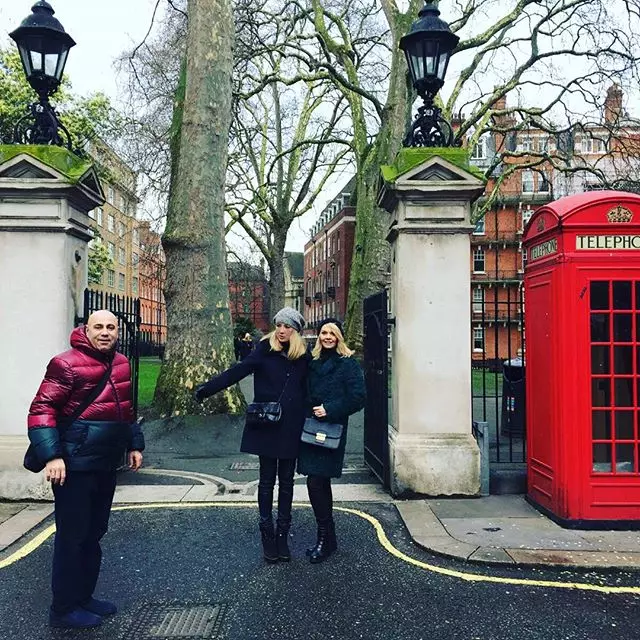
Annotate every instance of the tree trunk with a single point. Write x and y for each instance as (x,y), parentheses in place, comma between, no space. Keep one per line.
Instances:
(370,266)
(199,333)
(276,273)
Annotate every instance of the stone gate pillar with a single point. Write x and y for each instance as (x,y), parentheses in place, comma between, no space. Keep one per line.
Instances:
(431,448)
(45,195)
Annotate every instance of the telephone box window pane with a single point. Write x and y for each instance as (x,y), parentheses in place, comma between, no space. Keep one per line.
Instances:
(624,425)
(622,327)
(601,425)
(624,458)
(600,327)
(602,458)
(600,359)
(623,392)
(601,392)
(622,295)
(599,295)
(622,359)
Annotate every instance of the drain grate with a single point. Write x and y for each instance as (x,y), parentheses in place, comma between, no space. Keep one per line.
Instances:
(196,621)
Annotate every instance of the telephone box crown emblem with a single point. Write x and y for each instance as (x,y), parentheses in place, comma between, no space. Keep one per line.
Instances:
(619,214)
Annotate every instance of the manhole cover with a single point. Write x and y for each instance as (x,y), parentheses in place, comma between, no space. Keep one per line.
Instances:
(169,621)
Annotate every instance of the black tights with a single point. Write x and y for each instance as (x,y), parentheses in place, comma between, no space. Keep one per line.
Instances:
(284,469)
(321,497)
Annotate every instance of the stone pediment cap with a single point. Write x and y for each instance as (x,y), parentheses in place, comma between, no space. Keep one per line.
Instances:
(438,172)
(50,163)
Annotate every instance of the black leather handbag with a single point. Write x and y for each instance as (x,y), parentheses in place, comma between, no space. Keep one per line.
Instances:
(321,434)
(266,413)
(32,461)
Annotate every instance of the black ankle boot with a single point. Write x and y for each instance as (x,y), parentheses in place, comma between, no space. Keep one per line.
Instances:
(310,549)
(282,544)
(323,548)
(269,547)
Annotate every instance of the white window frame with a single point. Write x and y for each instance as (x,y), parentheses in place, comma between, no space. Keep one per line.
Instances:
(478,299)
(111,278)
(99,213)
(479,229)
(528,181)
(480,149)
(122,255)
(477,339)
(111,223)
(121,281)
(479,253)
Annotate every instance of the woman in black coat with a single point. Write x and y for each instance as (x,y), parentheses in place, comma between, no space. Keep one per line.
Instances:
(336,390)
(279,364)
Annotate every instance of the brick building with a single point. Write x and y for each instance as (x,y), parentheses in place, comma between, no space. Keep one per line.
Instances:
(249,294)
(115,222)
(497,267)
(327,261)
(151,271)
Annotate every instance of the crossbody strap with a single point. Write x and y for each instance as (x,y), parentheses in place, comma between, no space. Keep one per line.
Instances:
(286,382)
(90,397)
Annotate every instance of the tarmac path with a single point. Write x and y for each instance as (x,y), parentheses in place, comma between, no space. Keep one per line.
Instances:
(175,558)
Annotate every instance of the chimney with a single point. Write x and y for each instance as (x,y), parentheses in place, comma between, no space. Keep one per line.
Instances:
(613,105)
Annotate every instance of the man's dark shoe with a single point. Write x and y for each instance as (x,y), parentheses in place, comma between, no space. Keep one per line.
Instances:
(76,619)
(99,607)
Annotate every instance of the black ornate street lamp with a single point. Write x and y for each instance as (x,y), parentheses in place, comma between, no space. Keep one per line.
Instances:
(428,46)
(44,46)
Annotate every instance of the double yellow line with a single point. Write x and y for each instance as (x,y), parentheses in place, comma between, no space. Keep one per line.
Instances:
(34,543)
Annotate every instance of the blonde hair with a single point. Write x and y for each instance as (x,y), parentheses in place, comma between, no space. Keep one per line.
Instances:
(341,347)
(297,346)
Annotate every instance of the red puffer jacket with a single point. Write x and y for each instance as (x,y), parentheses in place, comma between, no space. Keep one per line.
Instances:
(69,379)
(96,440)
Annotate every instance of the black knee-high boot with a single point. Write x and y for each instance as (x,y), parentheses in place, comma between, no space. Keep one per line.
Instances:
(286,470)
(322,503)
(265,506)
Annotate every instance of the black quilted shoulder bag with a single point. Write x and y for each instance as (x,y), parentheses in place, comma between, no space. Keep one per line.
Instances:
(266,413)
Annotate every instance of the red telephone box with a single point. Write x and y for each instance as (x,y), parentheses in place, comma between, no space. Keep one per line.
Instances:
(582,330)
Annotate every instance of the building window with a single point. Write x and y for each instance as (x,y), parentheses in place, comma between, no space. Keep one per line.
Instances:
(478,300)
(112,250)
(526,216)
(478,260)
(121,229)
(478,339)
(111,223)
(135,258)
(527,181)
(591,145)
(92,214)
(110,195)
(122,255)
(99,216)
(121,281)
(111,277)
(526,144)
(136,236)
(479,149)
(479,229)
(134,286)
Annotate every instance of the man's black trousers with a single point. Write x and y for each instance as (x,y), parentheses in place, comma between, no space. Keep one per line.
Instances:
(82,507)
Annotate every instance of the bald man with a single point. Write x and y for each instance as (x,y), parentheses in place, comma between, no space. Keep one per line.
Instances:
(80,423)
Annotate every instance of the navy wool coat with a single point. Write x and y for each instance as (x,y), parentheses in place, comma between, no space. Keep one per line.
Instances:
(337,383)
(271,370)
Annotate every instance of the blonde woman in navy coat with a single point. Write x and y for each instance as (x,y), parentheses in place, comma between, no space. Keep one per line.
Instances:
(335,390)
(279,366)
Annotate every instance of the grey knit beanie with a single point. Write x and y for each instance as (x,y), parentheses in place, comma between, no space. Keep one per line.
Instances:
(291,317)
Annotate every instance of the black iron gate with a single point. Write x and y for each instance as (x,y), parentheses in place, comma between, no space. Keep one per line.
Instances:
(376,374)
(127,310)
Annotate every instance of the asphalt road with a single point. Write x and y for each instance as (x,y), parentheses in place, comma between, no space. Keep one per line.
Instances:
(183,557)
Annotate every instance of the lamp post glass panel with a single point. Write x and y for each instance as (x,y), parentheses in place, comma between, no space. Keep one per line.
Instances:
(428,47)
(44,46)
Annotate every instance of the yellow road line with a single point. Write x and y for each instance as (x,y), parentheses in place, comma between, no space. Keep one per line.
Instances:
(382,538)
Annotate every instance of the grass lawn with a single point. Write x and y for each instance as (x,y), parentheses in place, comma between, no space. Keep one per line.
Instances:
(149,371)
(491,381)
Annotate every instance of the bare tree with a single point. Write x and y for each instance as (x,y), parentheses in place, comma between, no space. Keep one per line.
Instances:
(199,341)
